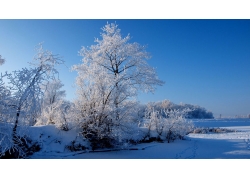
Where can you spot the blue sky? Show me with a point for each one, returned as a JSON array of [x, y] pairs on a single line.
[[203, 62]]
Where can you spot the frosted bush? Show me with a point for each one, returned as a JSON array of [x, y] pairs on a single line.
[[170, 126]]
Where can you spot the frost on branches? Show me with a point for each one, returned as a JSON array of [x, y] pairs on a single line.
[[54, 109], [112, 72], [4, 91], [23, 104], [166, 124]]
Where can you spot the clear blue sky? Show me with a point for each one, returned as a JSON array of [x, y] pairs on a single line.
[[203, 62]]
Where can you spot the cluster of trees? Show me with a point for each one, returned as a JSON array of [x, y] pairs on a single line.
[[105, 111], [189, 111], [166, 124]]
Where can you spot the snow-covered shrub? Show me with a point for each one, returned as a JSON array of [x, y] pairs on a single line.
[[5, 138], [22, 147], [170, 126], [211, 130], [176, 126]]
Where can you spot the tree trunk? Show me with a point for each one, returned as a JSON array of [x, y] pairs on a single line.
[[14, 133]]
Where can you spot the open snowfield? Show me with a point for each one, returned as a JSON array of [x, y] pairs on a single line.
[[231, 145]]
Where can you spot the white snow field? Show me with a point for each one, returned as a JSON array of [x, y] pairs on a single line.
[[225, 145]]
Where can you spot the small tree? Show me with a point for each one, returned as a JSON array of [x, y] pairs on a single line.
[[4, 92], [4, 113], [26, 83], [112, 72], [5, 97], [26, 94], [55, 109]]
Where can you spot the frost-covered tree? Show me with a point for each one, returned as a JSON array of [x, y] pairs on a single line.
[[52, 92], [195, 112], [4, 95], [2, 86], [54, 109], [167, 124], [26, 83], [112, 72], [26, 93]]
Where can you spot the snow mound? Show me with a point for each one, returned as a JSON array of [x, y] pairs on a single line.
[[55, 140]]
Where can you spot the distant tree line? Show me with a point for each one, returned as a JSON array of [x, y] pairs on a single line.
[[191, 111]]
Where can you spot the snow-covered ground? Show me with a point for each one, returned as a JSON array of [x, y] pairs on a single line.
[[231, 145], [206, 156]]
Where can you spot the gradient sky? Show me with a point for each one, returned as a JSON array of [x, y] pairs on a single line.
[[203, 62]]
